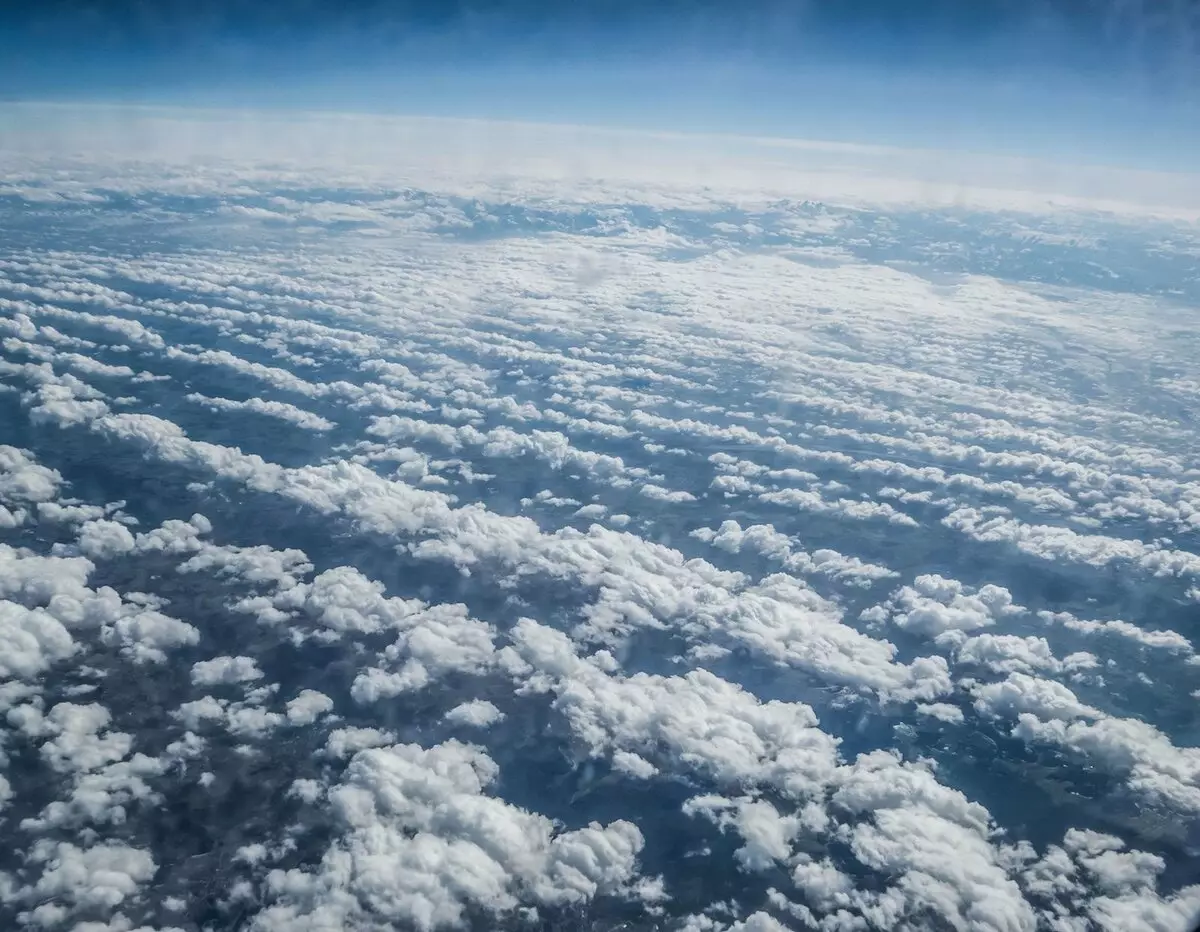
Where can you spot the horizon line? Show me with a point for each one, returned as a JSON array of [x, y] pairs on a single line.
[[782, 142]]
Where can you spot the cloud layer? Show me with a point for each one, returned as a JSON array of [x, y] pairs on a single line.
[[473, 551]]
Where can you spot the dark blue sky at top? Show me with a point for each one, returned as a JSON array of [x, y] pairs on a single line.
[[1111, 80]]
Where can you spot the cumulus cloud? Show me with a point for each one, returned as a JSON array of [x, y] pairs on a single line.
[[771, 543], [438, 640], [424, 843], [104, 540], [308, 706], [279, 410], [34, 639], [225, 670], [1063, 543], [478, 713], [78, 743], [346, 742], [23, 482], [933, 605], [342, 601], [676, 716], [74, 879], [1048, 712], [46, 598], [411, 536]]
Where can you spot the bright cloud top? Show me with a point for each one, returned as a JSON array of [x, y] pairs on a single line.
[[499, 544]]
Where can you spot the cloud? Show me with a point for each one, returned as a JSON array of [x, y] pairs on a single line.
[[806, 500], [23, 482], [341, 601], [225, 670], [659, 494], [933, 605], [1050, 713], [78, 744], [1094, 875], [105, 540], [346, 742], [935, 420], [1008, 653], [34, 640], [146, 636], [244, 719], [478, 713], [1061, 543], [74, 879], [768, 834], [1164, 639], [434, 642], [423, 843], [279, 410], [55, 600], [699, 719], [308, 706], [771, 543]]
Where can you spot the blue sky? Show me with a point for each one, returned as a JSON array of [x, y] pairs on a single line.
[[1106, 82]]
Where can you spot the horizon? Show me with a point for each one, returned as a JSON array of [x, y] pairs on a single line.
[[1110, 82], [730, 164]]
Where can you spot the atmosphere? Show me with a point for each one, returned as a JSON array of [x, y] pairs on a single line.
[[600, 468], [1111, 81]]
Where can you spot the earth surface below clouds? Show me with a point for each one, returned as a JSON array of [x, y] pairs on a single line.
[[419, 547]]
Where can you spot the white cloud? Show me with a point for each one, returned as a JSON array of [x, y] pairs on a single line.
[[477, 713], [659, 494], [78, 744], [75, 879], [1008, 653], [279, 410], [437, 640], [225, 670], [933, 605], [633, 765], [698, 720], [1164, 639], [943, 868], [55, 587], [72, 513], [36, 580], [105, 540], [342, 601], [310, 791], [494, 354], [766, 540], [145, 636], [1061, 543], [257, 566], [195, 713], [244, 719], [1093, 875], [858, 510], [1048, 712], [423, 843], [308, 706], [767, 834], [346, 742], [33, 639], [23, 480], [942, 711]]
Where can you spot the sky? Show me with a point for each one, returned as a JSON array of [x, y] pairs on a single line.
[[1098, 81]]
